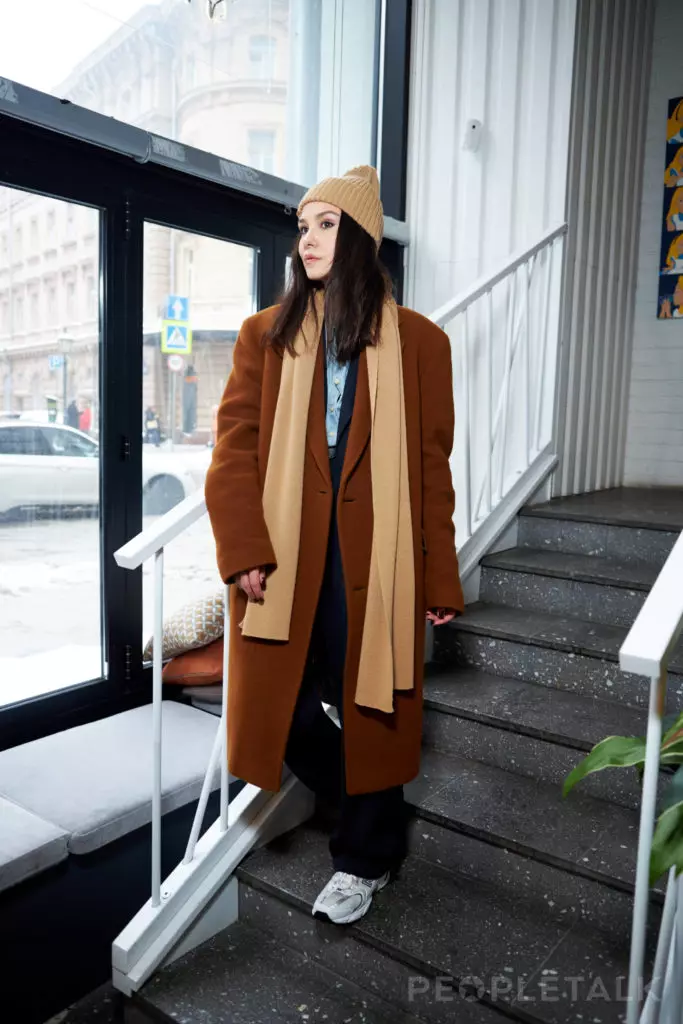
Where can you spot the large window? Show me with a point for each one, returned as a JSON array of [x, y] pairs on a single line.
[[261, 150], [50, 572], [210, 291], [306, 70]]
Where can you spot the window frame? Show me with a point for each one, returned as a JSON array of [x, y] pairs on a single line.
[[389, 130], [393, 109]]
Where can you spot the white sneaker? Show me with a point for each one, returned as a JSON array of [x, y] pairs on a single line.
[[347, 898]]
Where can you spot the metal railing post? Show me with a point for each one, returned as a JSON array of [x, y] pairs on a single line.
[[156, 724], [225, 779], [663, 960], [647, 826], [467, 389]]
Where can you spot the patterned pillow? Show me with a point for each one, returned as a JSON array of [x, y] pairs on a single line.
[[194, 625], [203, 667]]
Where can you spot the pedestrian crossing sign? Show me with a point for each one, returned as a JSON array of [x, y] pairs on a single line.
[[176, 337]]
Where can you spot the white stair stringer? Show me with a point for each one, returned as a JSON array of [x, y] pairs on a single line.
[[256, 816]]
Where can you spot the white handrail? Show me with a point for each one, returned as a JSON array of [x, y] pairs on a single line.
[[647, 648], [646, 651], [224, 715], [503, 392], [166, 528], [151, 543], [488, 281], [157, 669]]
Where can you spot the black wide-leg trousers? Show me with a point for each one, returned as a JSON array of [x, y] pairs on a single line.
[[370, 835]]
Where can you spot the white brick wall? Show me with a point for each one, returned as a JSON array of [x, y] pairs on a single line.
[[654, 444]]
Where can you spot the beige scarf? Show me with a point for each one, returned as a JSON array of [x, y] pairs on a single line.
[[388, 644]]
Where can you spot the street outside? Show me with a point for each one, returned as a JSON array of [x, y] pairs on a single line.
[[50, 596]]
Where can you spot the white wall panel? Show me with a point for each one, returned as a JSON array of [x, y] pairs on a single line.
[[508, 64], [654, 445], [611, 76]]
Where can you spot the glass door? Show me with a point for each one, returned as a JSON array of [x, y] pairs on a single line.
[[50, 541], [197, 290]]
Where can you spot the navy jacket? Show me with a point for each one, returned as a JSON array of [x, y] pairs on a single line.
[[330, 629]]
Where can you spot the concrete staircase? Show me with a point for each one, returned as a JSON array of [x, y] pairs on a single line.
[[514, 904]]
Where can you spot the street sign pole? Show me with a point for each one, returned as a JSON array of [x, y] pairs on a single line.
[[174, 378], [176, 341], [171, 415]]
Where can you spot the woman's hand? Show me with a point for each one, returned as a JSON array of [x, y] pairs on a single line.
[[440, 616], [253, 583]]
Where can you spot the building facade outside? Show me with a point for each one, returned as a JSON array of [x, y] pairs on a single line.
[[236, 87]]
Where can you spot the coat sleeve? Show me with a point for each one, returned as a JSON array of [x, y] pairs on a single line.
[[442, 578], [233, 483]]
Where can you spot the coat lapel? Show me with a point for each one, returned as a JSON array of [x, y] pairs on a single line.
[[317, 438], [359, 431]]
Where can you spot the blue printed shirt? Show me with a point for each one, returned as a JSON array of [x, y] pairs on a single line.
[[336, 380]]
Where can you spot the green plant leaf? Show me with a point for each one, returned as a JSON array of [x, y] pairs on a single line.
[[670, 725], [673, 794], [670, 720], [612, 752], [667, 843], [672, 743]]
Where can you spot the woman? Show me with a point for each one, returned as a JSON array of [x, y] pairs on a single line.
[[331, 502]]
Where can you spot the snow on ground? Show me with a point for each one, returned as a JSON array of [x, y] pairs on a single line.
[[50, 606], [35, 674]]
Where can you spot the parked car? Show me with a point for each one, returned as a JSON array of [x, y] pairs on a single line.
[[53, 467]]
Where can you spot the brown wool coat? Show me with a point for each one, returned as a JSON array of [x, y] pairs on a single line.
[[381, 750]]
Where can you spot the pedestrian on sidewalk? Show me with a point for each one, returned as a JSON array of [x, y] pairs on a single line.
[[331, 501], [85, 419], [72, 417]]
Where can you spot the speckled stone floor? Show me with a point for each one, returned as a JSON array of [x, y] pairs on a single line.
[[103, 1006], [651, 507]]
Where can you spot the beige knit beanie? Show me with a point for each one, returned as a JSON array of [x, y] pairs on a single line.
[[357, 194]]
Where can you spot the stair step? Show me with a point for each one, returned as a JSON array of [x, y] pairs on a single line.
[[569, 566], [622, 543], [372, 966], [559, 716], [627, 525], [528, 815], [460, 909], [561, 633], [553, 650], [244, 976], [528, 729], [647, 508], [595, 589]]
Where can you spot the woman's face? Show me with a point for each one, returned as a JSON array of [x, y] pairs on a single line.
[[318, 227]]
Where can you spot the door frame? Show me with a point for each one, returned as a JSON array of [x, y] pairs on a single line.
[[127, 194]]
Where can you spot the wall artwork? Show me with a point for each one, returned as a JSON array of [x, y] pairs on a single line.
[[670, 301]]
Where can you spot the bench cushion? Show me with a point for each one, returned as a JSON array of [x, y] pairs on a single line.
[[28, 844], [95, 781]]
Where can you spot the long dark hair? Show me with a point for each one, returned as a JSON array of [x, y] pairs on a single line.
[[355, 290]]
